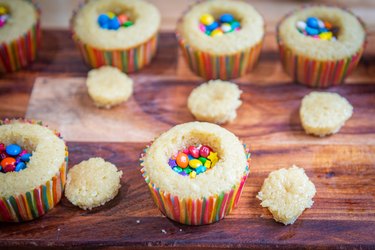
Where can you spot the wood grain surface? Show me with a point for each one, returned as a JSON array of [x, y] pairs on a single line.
[[341, 166]]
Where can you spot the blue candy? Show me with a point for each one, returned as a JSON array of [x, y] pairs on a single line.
[[311, 31], [322, 30], [312, 22], [226, 18], [25, 157], [200, 169], [212, 26], [13, 149], [103, 19], [235, 24], [20, 166], [114, 24], [190, 157]]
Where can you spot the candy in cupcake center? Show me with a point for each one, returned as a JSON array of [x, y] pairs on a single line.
[[115, 21], [318, 29], [193, 160], [13, 158], [4, 15], [224, 24]]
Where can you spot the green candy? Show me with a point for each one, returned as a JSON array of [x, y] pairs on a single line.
[[128, 24], [177, 169], [202, 159], [188, 170]]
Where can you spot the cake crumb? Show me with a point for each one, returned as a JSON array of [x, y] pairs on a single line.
[[138, 221], [163, 231]]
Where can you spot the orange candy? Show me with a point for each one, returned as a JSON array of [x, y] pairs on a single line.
[[182, 160], [328, 25], [122, 19], [7, 161]]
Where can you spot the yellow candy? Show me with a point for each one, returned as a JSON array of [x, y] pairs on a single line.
[[207, 19], [213, 157], [326, 35], [217, 32], [3, 10], [207, 164], [193, 174], [111, 14], [194, 163]]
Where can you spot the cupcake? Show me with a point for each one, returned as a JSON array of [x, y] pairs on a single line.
[[19, 34], [119, 33], [196, 172], [221, 39], [33, 170], [320, 45]]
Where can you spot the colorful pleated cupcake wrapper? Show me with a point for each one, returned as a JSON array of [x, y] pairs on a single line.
[[205, 210], [127, 60], [22, 51], [38, 201], [317, 73], [225, 67]]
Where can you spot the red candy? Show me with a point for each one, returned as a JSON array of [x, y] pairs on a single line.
[[2, 147], [9, 168], [182, 160], [7, 161], [204, 151], [23, 152], [194, 151], [185, 151]]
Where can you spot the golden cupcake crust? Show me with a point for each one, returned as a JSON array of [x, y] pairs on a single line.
[[287, 193], [250, 34], [23, 16], [146, 19], [324, 113], [92, 183], [215, 101], [48, 155], [227, 172], [108, 86], [350, 38]]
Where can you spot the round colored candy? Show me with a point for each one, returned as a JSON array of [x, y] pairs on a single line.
[[103, 19], [7, 161], [177, 169], [193, 174], [182, 160], [325, 35], [312, 22], [201, 169], [3, 10], [25, 157], [226, 18], [327, 25], [301, 25], [202, 159], [195, 163], [122, 19], [2, 147], [225, 27], [113, 24], [207, 19], [194, 151], [20, 166], [13, 149], [216, 32], [128, 24], [185, 151], [235, 25], [187, 170], [212, 26], [9, 168], [172, 163], [207, 164], [204, 151], [3, 156], [311, 31], [111, 15]]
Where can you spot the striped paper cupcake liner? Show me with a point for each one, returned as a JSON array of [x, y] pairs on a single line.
[[316, 73], [38, 201], [205, 210], [225, 67], [127, 60], [20, 52]]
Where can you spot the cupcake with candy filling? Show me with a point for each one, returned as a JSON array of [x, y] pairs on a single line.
[[119, 33], [33, 162], [221, 39], [320, 45], [19, 34], [196, 172]]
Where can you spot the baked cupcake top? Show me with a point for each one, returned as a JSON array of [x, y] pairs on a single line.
[[48, 154], [145, 18], [251, 29], [349, 37], [230, 167], [19, 16]]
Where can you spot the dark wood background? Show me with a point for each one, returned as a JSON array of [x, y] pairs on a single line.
[[341, 166]]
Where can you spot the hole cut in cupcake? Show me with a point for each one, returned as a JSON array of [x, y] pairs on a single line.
[[219, 23], [318, 28], [116, 17], [14, 157], [4, 15]]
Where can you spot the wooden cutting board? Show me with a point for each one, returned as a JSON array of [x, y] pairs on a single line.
[[341, 166]]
